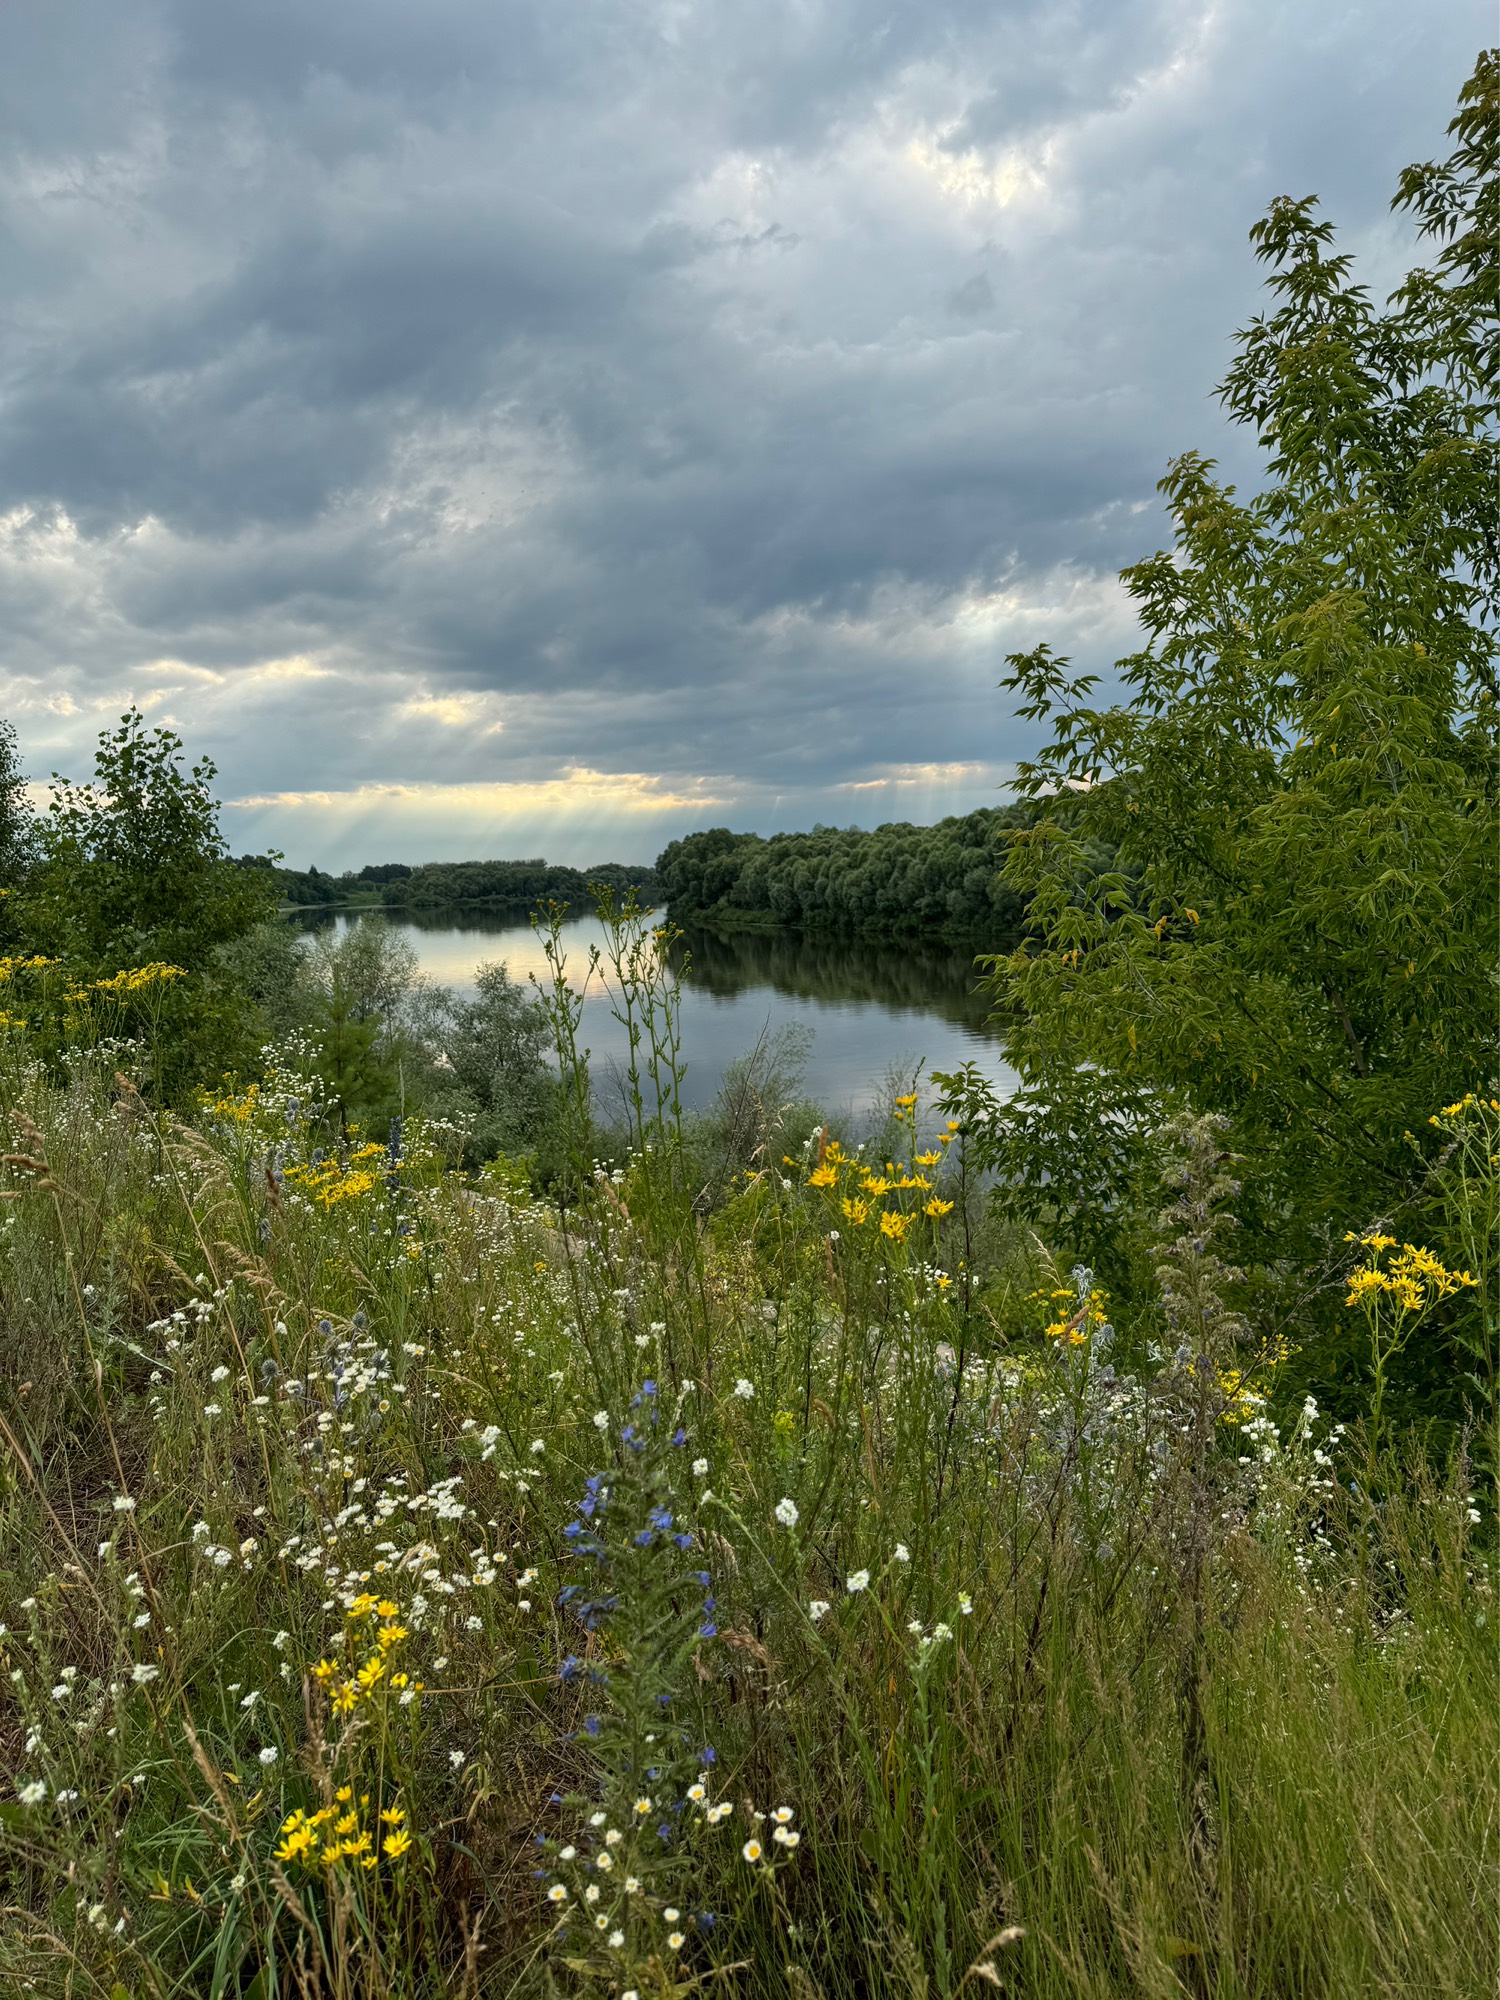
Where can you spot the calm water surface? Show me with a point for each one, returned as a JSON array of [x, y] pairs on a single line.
[[869, 1008]]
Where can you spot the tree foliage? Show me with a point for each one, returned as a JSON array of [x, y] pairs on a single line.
[[132, 867], [1299, 774], [518, 884], [897, 881]]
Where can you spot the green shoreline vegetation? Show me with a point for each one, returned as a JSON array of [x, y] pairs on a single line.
[[454, 1541]]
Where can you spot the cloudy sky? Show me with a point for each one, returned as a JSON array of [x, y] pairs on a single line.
[[515, 426]]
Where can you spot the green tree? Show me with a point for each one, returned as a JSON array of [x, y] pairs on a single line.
[[132, 867], [17, 835], [1299, 776], [130, 870]]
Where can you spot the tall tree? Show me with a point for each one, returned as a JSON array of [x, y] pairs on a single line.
[[17, 834], [1299, 776], [132, 866]]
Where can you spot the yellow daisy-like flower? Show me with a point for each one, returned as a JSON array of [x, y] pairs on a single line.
[[894, 1226], [396, 1844], [855, 1211], [824, 1176], [936, 1208]]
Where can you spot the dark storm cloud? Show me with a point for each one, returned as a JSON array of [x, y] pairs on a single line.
[[693, 398]]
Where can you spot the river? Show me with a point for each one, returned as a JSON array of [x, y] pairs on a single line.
[[867, 1009]]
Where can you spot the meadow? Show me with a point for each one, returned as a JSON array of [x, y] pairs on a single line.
[[412, 1585]]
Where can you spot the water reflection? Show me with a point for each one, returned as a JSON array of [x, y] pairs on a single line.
[[871, 1008], [913, 977]]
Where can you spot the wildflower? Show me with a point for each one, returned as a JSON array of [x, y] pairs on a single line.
[[32, 1794], [615, 1940], [935, 1208], [786, 1513], [966, 1604], [824, 1176], [744, 1390], [537, 1447], [395, 1844], [642, 1807], [901, 1553], [392, 1815], [123, 1504], [752, 1850], [455, 1758], [269, 1755], [719, 1812], [855, 1211], [220, 1374], [785, 1837], [819, 1608], [894, 1225], [782, 1815], [675, 1940], [700, 1467], [632, 1885], [858, 1582], [669, 1915], [601, 1420], [557, 1893], [142, 1672], [591, 1893], [697, 1793]]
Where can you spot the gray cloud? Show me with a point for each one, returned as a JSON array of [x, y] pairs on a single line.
[[699, 397]]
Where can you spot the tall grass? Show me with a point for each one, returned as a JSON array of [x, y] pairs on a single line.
[[411, 1587]]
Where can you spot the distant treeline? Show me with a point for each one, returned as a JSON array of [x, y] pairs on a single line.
[[897, 881], [397, 886], [515, 882], [311, 887]]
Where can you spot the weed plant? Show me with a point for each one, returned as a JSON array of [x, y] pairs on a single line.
[[413, 1586]]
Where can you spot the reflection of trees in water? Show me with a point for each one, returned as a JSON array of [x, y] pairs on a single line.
[[487, 919], [928, 979]]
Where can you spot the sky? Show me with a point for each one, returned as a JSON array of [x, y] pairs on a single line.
[[516, 427]]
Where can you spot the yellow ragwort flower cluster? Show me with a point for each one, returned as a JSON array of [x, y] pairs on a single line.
[[332, 1181], [335, 1834], [867, 1187], [353, 1680], [1071, 1329], [239, 1108], [1413, 1278]]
